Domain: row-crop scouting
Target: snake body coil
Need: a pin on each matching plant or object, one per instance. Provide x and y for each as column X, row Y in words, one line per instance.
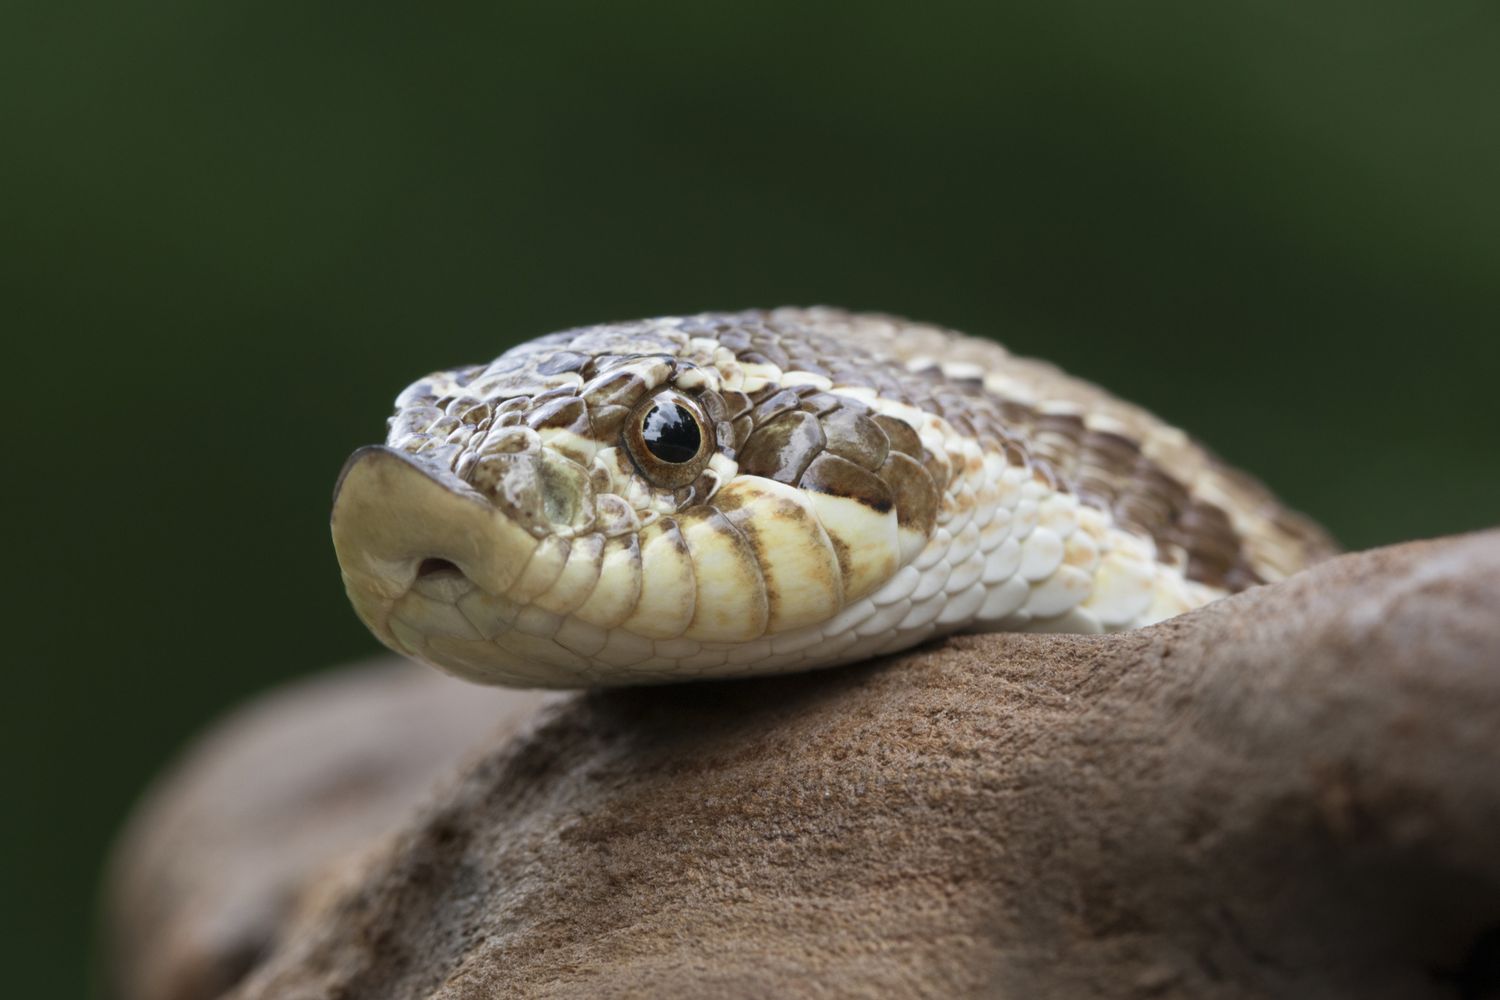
column 751, row 493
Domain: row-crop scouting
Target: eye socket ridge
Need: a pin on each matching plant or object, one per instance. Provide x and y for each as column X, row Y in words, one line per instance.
column 669, row 437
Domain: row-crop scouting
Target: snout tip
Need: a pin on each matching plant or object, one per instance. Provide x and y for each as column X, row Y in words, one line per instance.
column 394, row 514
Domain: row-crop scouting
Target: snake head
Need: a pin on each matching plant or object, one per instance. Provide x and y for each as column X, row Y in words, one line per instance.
column 761, row 492
column 625, row 504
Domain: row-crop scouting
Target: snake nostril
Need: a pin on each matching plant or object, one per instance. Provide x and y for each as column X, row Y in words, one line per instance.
column 436, row 567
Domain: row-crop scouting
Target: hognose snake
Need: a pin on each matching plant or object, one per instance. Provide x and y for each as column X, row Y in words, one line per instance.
column 760, row 492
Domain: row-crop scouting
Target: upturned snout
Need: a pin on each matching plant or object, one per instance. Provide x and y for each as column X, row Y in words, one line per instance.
column 396, row 518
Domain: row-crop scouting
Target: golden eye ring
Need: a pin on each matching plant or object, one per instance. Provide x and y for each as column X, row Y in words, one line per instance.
column 669, row 438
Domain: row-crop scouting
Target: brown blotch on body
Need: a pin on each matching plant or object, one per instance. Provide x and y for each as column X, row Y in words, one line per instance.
column 1215, row 553
column 1151, row 501
column 1105, row 461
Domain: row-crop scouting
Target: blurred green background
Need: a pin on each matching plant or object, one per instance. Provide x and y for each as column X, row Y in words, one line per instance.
column 230, row 232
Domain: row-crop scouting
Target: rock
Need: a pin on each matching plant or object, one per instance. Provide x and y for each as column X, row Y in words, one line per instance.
column 270, row 806
column 1293, row 792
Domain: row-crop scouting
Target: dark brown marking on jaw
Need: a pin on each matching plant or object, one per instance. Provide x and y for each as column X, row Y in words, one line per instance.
column 843, row 557
column 720, row 523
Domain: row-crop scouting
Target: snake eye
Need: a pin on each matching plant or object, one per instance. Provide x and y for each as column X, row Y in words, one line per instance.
column 669, row 438
column 671, row 433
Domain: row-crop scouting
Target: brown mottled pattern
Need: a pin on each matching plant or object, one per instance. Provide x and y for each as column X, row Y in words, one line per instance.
column 1220, row 526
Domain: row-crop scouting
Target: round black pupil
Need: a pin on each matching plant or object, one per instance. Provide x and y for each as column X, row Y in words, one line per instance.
column 671, row 433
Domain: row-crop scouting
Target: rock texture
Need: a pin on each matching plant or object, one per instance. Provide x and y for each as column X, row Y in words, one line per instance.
column 271, row 805
column 1294, row 792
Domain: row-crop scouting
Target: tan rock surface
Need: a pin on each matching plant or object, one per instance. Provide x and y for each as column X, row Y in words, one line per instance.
column 273, row 803
column 1294, row 792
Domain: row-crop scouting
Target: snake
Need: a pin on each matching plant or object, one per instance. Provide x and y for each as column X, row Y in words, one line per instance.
column 762, row 492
